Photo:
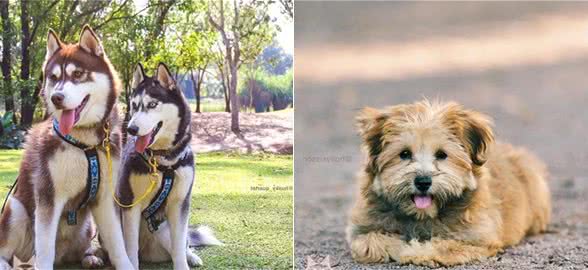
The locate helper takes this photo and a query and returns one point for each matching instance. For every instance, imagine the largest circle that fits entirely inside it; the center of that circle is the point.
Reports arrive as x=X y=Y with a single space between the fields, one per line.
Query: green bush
x=10 y=136
x=280 y=87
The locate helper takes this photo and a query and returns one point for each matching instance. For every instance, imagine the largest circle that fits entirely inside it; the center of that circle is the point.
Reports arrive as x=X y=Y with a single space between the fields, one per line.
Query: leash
x=8 y=195
x=153 y=176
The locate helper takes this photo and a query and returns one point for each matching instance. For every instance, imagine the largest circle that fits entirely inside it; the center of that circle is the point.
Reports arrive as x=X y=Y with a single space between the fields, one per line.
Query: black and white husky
x=63 y=176
x=156 y=228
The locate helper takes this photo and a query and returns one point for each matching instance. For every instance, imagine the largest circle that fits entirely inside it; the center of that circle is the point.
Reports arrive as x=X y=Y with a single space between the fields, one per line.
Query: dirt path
x=260 y=132
x=541 y=106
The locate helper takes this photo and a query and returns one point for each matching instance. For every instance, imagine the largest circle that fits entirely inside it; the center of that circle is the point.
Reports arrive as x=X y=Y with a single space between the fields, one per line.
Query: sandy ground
x=541 y=106
x=260 y=132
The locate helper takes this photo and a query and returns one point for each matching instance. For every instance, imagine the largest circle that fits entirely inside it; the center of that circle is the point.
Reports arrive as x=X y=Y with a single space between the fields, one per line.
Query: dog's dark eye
x=441 y=155
x=152 y=105
x=77 y=74
x=406 y=154
x=53 y=77
x=135 y=106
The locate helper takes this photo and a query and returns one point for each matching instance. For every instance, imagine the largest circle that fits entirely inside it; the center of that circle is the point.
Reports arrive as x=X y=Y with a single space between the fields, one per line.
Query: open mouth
x=70 y=117
x=422 y=201
x=148 y=139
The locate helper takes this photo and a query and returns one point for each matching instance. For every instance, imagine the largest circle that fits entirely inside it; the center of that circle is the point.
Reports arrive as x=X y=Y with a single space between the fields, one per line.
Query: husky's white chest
x=69 y=171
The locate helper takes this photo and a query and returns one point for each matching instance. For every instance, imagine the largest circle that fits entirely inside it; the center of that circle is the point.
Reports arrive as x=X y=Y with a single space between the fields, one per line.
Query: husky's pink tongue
x=142 y=142
x=422 y=202
x=66 y=121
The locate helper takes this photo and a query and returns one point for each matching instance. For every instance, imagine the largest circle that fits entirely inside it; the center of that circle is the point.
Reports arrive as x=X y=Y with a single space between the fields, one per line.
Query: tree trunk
x=201 y=73
x=234 y=100
x=225 y=90
x=26 y=109
x=6 y=46
x=196 y=87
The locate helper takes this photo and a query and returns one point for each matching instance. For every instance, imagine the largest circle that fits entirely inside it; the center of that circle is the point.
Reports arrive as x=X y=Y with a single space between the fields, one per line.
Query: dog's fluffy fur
x=484 y=196
x=158 y=101
x=53 y=173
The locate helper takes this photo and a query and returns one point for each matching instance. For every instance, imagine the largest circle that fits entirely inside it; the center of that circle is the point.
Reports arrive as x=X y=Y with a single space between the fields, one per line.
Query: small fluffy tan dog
x=437 y=190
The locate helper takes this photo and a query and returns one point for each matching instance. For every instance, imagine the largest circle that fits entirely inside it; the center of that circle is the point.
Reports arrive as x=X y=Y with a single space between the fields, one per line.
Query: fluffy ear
x=90 y=42
x=370 y=124
x=138 y=76
x=474 y=129
x=53 y=44
x=164 y=77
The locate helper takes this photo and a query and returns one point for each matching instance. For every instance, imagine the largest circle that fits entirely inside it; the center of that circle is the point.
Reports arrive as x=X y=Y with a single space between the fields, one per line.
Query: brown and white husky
x=80 y=89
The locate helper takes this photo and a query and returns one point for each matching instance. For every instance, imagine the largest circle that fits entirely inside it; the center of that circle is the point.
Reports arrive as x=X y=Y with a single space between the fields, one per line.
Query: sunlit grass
x=246 y=199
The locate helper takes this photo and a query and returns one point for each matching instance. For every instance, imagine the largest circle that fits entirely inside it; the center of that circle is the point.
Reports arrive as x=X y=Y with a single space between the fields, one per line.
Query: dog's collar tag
x=149 y=213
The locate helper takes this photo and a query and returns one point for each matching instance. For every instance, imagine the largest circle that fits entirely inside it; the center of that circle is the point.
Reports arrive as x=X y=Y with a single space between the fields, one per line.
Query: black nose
x=57 y=99
x=423 y=183
x=133 y=130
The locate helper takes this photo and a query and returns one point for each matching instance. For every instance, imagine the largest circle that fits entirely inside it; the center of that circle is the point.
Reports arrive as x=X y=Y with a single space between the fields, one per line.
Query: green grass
x=246 y=199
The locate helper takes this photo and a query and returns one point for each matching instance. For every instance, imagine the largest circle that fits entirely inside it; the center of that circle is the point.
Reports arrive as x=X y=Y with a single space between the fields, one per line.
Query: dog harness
x=93 y=179
x=169 y=173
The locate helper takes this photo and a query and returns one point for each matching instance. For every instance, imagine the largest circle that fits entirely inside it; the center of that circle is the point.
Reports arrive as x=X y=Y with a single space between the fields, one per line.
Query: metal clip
x=153 y=163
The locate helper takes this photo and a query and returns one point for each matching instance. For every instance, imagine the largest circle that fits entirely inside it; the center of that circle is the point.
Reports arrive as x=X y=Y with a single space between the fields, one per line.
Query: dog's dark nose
x=133 y=130
x=57 y=99
x=423 y=183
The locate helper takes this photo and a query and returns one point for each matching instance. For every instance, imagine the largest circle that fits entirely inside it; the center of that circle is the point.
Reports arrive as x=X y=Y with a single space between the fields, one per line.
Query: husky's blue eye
x=152 y=105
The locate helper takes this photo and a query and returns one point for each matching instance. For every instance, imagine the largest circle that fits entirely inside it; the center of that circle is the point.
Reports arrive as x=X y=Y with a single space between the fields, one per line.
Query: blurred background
x=524 y=64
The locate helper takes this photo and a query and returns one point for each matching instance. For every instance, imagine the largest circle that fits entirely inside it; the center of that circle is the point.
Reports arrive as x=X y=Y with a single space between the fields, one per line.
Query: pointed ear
x=138 y=76
x=53 y=44
x=90 y=42
x=164 y=77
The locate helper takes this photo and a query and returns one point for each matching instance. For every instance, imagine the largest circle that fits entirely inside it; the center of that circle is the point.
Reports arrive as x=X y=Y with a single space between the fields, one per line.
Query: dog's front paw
x=194 y=260
x=92 y=262
x=369 y=249
x=420 y=260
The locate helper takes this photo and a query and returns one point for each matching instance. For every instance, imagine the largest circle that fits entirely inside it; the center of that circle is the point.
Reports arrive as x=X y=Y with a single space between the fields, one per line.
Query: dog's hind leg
x=164 y=237
x=15 y=234
x=93 y=258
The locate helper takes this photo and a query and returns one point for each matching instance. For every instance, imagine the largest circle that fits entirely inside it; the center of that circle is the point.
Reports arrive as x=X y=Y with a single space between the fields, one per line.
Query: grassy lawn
x=246 y=199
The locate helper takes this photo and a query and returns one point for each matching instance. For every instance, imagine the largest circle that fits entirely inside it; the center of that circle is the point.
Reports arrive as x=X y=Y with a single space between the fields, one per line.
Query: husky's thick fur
x=80 y=89
x=160 y=124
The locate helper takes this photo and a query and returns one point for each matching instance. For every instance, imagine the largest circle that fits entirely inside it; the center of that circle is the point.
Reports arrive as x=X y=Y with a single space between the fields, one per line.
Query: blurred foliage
x=11 y=137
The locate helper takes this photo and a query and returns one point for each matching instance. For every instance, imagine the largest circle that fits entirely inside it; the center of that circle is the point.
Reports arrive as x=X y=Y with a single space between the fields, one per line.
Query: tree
x=237 y=28
x=7 y=37
x=287 y=8
x=196 y=39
